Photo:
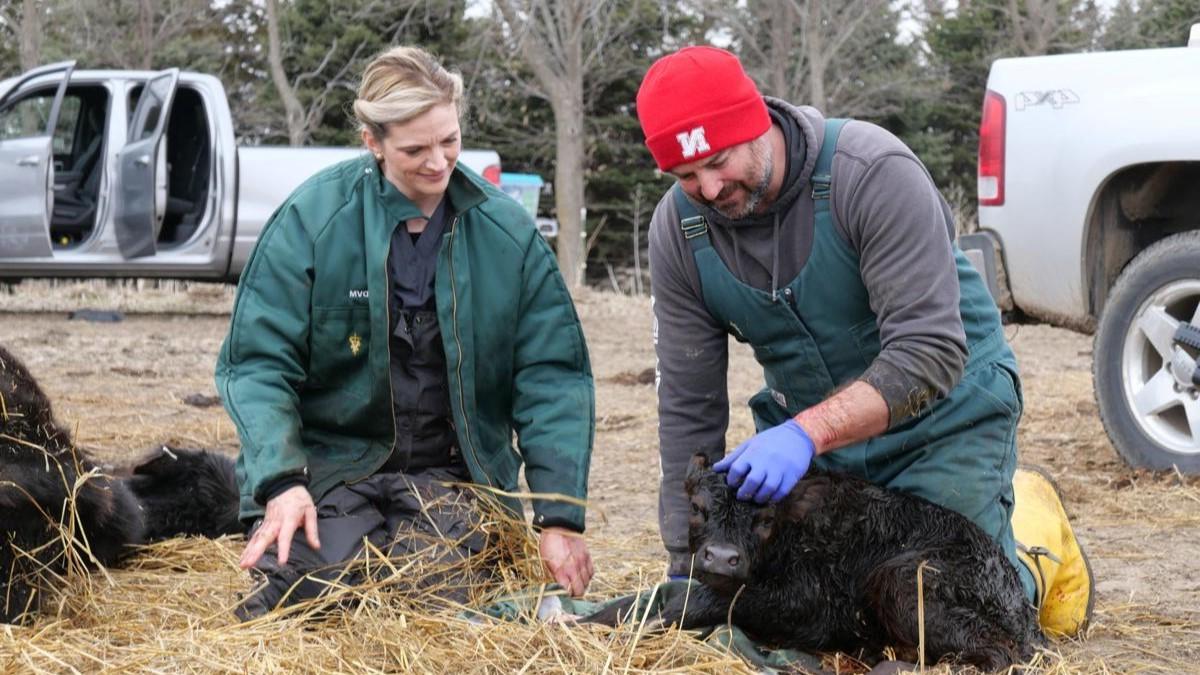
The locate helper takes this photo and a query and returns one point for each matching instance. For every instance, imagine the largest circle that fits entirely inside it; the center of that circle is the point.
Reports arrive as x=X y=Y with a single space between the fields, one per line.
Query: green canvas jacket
x=303 y=371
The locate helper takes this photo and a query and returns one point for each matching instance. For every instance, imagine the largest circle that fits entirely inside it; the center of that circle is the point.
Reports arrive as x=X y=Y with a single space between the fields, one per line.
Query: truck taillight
x=991 y=151
x=492 y=174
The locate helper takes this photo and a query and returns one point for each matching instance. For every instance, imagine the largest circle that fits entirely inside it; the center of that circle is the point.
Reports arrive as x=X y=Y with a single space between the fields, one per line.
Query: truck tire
x=1151 y=409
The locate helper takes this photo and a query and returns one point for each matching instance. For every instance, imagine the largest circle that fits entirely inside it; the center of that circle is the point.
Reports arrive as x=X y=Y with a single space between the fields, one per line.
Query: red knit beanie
x=697 y=102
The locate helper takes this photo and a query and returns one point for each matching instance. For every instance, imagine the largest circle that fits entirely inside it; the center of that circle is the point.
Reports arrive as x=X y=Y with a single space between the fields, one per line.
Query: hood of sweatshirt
x=803 y=128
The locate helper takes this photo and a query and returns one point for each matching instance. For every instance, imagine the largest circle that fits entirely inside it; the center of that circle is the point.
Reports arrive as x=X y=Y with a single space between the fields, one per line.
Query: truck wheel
x=1150 y=406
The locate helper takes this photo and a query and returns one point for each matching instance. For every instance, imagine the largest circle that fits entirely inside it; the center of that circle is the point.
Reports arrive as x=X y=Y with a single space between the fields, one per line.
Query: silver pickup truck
x=1089 y=169
x=137 y=174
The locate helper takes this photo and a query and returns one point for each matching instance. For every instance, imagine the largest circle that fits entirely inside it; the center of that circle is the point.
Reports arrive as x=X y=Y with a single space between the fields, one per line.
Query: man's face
x=733 y=182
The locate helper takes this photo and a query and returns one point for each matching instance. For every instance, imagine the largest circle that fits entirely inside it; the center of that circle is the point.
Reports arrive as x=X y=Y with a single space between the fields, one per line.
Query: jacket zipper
x=462 y=406
x=387 y=340
x=387 y=322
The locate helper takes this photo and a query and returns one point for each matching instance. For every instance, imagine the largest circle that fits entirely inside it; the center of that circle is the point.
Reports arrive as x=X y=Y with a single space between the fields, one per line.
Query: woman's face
x=417 y=156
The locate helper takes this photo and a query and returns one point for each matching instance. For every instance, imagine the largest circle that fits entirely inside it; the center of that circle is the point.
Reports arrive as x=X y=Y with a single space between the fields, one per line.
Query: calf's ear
x=156 y=462
x=806 y=499
x=696 y=468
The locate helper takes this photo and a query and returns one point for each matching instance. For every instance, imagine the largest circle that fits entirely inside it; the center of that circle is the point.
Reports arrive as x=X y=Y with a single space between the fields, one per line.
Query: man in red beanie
x=825 y=245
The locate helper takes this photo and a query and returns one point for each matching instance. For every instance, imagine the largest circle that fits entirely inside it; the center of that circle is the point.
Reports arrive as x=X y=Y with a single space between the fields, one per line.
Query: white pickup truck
x=1089 y=189
x=137 y=174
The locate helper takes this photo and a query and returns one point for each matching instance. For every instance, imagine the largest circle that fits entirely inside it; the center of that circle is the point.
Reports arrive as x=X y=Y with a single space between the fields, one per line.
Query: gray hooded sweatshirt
x=886 y=209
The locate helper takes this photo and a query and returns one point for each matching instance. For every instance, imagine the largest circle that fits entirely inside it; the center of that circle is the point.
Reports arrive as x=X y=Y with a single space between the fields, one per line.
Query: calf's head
x=727 y=537
x=26 y=418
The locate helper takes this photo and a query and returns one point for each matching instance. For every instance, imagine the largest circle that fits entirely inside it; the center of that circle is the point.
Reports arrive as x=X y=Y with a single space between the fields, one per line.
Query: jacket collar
x=462 y=193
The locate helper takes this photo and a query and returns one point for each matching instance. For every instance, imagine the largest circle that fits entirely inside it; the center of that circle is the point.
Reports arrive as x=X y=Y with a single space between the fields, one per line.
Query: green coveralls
x=819 y=333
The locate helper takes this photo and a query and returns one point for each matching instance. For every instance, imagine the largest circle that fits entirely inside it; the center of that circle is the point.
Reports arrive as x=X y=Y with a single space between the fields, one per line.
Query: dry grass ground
x=122 y=386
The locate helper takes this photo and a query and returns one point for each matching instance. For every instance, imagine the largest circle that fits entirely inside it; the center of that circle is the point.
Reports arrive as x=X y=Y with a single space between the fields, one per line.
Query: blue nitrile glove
x=769 y=465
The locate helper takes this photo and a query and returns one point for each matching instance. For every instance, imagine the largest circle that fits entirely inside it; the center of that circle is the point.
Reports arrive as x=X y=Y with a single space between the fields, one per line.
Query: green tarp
x=537 y=603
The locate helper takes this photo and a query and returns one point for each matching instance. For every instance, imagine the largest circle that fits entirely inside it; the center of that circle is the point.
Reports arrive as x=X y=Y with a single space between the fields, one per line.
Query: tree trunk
x=297 y=131
x=817 y=59
x=562 y=44
x=146 y=34
x=637 y=240
x=31 y=35
x=782 y=32
x=568 y=179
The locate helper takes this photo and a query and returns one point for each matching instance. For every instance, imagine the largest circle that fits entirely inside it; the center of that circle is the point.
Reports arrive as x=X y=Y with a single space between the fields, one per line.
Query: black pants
x=398 y=515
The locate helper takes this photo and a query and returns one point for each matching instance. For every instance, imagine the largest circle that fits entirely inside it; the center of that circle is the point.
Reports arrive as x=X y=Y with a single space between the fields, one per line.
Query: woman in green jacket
x=399 y=321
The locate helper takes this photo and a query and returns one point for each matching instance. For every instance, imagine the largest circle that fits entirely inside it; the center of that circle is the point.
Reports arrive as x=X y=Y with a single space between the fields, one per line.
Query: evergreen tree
x=326 y=44
x=1122 y=30
x=962 y=44
x=944 y=130
x=9 y=38
x=843 y=58
x=1166 y=23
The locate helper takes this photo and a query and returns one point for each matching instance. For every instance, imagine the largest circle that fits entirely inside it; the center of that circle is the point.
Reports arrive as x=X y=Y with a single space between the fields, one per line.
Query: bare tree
x=145 y=31
x=306 y=95
x=818 y=52
x=31 y=34
x=111 y=33
x=1047 y=26
x=563 y=43
x=27 y=27
x=297 y=118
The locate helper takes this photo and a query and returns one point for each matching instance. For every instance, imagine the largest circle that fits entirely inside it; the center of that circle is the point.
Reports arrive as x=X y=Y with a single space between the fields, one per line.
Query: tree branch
x=291 y=103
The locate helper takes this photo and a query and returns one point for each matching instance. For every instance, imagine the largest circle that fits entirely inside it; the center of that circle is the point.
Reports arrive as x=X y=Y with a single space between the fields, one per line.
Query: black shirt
x=420 y=395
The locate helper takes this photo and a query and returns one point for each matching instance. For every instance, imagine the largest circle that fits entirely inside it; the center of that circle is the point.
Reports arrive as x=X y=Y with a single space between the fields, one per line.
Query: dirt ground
x=122 y=387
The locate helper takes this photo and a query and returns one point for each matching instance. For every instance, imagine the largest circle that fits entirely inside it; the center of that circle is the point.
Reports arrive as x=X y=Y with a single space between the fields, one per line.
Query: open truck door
x=141 y=183
x=27 y=125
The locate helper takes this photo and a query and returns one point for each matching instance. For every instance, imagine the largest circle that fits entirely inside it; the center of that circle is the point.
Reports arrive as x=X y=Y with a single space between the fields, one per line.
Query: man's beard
x=755 y=196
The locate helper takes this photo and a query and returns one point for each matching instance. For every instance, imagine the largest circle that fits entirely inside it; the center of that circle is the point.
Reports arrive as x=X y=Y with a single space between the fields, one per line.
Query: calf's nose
x=720 y=559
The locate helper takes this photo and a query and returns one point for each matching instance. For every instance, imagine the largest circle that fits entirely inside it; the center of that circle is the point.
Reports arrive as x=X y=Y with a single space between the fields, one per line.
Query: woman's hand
x=565 y=555
x=290 y=510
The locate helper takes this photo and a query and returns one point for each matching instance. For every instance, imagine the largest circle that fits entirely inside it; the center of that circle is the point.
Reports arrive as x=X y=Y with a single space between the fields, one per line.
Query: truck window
x=29 y=116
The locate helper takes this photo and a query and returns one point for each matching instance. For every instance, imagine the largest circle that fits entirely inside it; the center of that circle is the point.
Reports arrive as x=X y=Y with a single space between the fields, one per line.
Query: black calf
x=192 y=492
x=834 y=567
x=55 y=503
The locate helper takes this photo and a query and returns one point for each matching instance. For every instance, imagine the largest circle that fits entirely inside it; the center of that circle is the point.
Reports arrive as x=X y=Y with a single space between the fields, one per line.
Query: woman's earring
x=379 y=157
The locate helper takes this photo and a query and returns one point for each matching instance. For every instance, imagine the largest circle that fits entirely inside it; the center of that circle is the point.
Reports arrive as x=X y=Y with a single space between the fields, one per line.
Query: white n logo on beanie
x=692 y=142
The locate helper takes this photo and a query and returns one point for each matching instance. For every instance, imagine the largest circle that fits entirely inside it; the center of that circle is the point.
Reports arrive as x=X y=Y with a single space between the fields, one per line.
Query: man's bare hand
x=565 y=555
x=291 y=510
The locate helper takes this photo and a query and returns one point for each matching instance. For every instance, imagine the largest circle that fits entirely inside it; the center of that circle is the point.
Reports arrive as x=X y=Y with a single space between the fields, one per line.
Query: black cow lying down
x=833 y=567
x=52 y=493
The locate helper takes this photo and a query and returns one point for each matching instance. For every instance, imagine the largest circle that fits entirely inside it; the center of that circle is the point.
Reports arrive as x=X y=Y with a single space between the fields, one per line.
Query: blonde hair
x=401 y=84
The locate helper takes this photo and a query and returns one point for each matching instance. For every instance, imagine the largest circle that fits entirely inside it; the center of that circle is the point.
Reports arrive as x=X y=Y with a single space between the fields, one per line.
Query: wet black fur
x=176 y=492
x=184 y=491
x=833 y=567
